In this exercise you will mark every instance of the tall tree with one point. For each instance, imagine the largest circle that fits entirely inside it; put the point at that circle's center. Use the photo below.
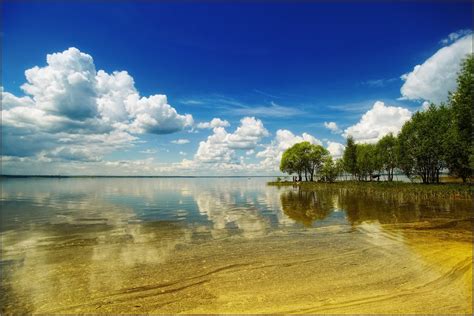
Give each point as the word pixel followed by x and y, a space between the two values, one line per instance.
pixel 367 161
pixel 460 150
pixel 423 143
pixel 387 154
pixel 291 162
pixel 329 170
pixel 350 156
pixel 303 150
pixel 339 167
pixel 316 156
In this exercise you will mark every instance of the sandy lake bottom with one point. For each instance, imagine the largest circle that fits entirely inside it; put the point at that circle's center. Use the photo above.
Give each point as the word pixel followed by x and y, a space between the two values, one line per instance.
pixel 228 246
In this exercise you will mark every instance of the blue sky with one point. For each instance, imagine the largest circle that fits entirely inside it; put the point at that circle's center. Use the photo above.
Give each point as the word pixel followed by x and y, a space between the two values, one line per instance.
pixel 291 66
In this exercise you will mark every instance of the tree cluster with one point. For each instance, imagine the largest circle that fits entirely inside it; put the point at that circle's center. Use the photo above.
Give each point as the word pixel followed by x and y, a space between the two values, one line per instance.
pixel 435 139
pixel 310 161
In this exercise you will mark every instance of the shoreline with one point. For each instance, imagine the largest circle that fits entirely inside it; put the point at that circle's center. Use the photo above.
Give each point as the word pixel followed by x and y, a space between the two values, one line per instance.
pixel 415 190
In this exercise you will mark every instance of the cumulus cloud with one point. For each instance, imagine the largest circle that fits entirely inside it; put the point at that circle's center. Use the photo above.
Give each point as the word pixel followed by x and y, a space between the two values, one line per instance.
pixel 332 126
pixel 215 122
pixel 10 101
pixel 154 115
pixel 114 90
pixel 378 122
pixel 180 141
pixel 335 149
pixel 433 79
pixel 66 86
pixel 73 112
pixel 220 146
pixel 283 140
pixel 215 149
pixel 248 134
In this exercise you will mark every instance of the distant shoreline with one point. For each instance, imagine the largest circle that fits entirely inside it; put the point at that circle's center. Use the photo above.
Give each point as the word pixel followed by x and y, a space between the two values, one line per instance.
pixel 106 176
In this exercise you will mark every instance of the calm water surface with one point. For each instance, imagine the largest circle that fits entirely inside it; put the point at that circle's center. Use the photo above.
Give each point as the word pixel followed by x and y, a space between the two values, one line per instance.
pixel 228 246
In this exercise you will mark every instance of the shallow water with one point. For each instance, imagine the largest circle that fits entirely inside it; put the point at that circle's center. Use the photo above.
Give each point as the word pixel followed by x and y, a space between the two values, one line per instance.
pixel 228 246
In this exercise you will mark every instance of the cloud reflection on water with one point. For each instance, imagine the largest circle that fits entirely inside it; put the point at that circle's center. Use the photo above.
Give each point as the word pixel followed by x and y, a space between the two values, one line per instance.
pixel 102 233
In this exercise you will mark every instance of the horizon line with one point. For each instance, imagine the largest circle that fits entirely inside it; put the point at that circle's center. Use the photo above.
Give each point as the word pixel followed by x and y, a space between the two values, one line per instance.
pixel 129 176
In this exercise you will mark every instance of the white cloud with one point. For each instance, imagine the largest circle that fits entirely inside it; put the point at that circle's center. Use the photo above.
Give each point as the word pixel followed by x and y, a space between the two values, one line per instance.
pixel 215 149
pixel 248 134
pixel 283 140
pixel 180 141
pixel 72 112
pixel 10 101
pixel 454 36
pixel 335 149
pixel 332 126
pixel 378 122
pixel 154 115
pixel 182 153
pixel 433 79
pixel 114 90
pixel 66 86
pixel 215 122
pixel 220 146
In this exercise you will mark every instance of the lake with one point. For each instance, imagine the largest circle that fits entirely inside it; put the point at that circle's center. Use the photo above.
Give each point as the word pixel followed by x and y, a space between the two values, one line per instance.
pixel 228 245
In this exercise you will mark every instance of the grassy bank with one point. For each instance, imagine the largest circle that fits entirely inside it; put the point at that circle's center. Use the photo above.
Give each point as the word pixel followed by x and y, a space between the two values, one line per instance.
pixel 414 190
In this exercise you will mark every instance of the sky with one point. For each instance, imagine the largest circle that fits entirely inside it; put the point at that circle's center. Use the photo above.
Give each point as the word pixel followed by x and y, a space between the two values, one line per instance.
pixel 191 88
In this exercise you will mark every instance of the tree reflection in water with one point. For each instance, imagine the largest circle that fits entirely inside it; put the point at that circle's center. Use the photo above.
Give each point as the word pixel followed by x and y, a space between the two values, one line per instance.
pixel 307 206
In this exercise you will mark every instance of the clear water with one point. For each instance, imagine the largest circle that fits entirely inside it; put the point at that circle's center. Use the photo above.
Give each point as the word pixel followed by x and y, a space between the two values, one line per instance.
pixel 199 245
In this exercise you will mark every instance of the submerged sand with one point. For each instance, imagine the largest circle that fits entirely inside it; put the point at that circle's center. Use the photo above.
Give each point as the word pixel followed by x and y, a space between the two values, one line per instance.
pixel 229 246
pixel 369 268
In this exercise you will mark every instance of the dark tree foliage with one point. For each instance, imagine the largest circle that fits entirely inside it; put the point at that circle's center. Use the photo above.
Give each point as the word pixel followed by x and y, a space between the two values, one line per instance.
pixel 460 156
pixel 387 149
pixel 423 143
pixel 367 161
pixel 350 156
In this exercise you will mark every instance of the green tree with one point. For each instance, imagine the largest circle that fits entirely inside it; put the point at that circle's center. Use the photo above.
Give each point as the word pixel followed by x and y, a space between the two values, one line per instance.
pixel 367 161
pixel 303 159
pixel 303 151
pixel 423 143
pixel 291 162
pixel 329 170
pixel 350 156
pixel 460 150
pixel 387 154
pixel 316 156
pixel 339 167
